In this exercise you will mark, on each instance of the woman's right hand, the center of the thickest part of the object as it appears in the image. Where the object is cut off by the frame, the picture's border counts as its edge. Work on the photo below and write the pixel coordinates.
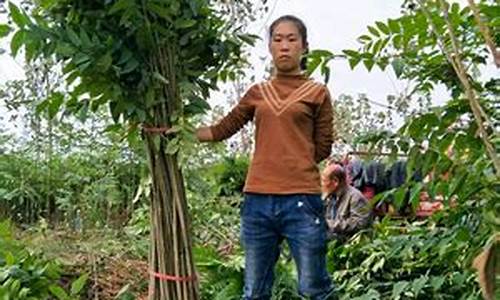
(204, 134)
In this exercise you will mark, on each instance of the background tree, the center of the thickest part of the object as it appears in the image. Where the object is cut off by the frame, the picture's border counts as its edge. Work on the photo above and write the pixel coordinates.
(437, 42)
(152, 63)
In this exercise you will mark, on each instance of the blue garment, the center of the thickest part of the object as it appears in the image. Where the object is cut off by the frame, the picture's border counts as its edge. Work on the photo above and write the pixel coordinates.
(332, 214)
(266, 220)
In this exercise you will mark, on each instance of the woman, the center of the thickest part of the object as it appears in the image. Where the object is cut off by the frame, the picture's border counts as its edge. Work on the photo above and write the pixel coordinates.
(293, 133)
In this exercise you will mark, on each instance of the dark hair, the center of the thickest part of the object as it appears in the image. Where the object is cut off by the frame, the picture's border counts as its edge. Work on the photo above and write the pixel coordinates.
(301, 27)
(338, 173)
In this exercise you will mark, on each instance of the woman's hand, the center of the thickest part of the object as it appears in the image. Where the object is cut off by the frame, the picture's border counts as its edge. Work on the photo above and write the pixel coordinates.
(204, 134)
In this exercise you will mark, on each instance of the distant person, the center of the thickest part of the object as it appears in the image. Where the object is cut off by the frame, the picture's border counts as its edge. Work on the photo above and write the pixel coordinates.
(347, 210)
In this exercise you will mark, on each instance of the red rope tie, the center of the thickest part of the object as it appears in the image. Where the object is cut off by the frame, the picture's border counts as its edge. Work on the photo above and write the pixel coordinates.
(155, 129)
(166, 277)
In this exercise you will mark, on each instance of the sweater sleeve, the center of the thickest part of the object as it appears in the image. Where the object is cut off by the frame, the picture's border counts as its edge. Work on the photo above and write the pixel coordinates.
(323, 129)
(236, 118)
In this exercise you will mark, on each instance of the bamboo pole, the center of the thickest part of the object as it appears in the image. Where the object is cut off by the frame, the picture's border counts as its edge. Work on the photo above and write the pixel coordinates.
(171, 241)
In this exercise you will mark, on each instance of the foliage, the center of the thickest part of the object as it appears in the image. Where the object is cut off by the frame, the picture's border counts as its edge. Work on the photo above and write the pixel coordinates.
(229, 175)
(397, 260)
(355, 118)
(27, 276)
(412, 260)
(448, 143)
(407, 45)
(63, 165)
(112, 59)
(100, 185)
(443, 142)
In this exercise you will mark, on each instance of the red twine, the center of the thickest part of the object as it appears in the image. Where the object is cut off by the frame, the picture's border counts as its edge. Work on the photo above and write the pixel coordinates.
(156, 129)
(166, 277)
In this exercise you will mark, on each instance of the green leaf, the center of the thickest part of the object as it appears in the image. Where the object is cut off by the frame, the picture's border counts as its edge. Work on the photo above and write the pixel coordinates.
(196, 106)
(370, 295)
(457, 184)
(368, 64)
(56, 101)
(373, 31)
(78, 284)
(19, 17)
(160, 11)
(397, 66)
(351, 53)
(65, 49)
(398, 289)
(58, 292)
(445, 142)
(384, 28)
(249, 38)
(377, 46)
(364, 38)
(17, 41)
(353, 62)
(418, 284)
(4, 30)
(131, 65)
(47, 4)
(42, 106)
(115, 111)
(105, 62)
(10, 260)
(394, 26)
(160, 77)
(378, 265)
(415, 194)
(312, 64)
(397, 41)
(437, 282)
(113, 128)
(126, 55)
(73, 37)
(321, 53)
(173, 146)
(85, 39)
(120, 5)
(185, 23)
(399, 197)
(82, 113)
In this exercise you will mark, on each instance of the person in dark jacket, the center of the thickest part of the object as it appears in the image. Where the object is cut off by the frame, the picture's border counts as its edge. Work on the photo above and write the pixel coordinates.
(347, 210)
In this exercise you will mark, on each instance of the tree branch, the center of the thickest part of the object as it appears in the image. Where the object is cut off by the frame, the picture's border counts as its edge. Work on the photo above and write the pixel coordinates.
(456, 60)
(485, 31)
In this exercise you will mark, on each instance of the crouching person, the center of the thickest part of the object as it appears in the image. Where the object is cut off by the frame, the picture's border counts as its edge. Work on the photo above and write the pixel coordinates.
(347, 210)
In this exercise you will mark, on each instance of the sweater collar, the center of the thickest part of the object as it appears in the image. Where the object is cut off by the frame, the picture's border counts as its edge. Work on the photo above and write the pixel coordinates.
(281, 76)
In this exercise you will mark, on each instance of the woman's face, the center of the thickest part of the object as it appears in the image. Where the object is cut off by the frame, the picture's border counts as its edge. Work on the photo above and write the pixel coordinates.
(286, 47)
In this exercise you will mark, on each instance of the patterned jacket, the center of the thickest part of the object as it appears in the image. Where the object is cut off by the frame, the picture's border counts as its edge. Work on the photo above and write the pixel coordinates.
(347, 212)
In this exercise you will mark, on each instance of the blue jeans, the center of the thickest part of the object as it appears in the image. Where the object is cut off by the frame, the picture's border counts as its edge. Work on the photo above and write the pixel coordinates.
(268, 219)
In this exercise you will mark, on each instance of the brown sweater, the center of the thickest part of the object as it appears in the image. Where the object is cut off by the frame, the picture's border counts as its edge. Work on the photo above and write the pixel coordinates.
(293, 132)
